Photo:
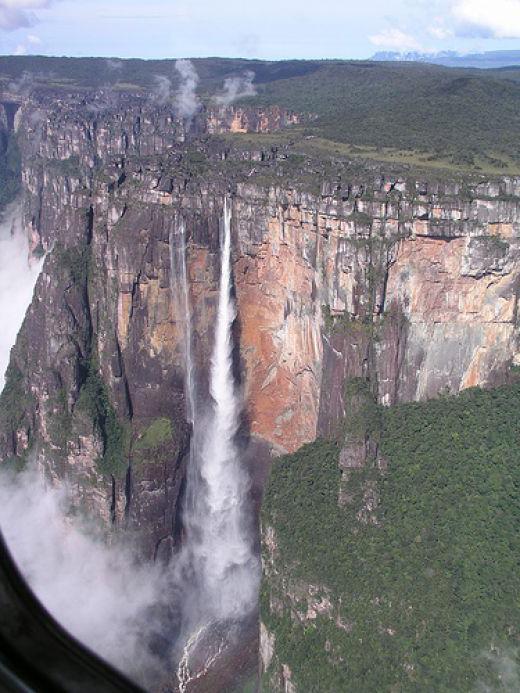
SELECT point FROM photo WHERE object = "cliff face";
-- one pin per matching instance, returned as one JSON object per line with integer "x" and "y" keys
{"x": 409, "y": 284}
{"x": 415, "y": 288}
{"x": 95, "y": 387}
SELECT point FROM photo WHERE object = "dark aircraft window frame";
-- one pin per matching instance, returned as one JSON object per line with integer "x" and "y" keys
{"x": 36, "y": 653}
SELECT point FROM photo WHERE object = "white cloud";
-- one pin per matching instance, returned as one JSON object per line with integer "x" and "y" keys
{"x": 186, "y": 100}
{"x": 15, "y": 14}
{"x": 162, "y": 89}
{"x": 26, "y": 4}
{"x": 30, "y": 43}
{"x": 17, "y": 280}
{"x": 98, "y": 592}
{"x": 396, "y": 40}
{"x": 236, "y": 88}
{"x": 439, "y": 31}
{"x": 497, "y": 19}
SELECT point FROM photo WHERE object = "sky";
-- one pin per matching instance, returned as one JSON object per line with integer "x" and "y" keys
{"x": 266, "y": 29}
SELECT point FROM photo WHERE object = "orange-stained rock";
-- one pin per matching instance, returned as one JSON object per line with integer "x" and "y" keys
{"x": 239, "y": 119}
{"x": 456, "y": 298}
{"x": 280, "y": 338}
{"x": 427, "y": 280}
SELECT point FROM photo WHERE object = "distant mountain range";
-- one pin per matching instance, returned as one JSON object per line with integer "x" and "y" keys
{"x": 485, "y": 60}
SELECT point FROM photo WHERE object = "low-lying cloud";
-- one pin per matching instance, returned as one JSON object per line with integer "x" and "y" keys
{"x": 23, "y": 85}
{"x": 99, "y": 593}
{"x": 236, "y": 88}
{"x": 184, "y": 100}
{"x": 113, "y": 64}
{"x": 162, "y": 89}
{"x": 504, "y": 664}
{"x": 187, "y": 102}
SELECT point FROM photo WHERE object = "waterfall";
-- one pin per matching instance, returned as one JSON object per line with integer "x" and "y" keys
{"x": 221, "y": 570}
{"x": 224, "y": 553}
{"x": 178, "y": 262}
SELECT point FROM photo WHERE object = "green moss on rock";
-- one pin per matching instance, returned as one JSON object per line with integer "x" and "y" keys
{"x": 75, "y": 261}
{"x": 158, "y": 432}
{"x": 14, "y": 398}
{"x": 154, "y": 441}
{"x": 10, "y": 170}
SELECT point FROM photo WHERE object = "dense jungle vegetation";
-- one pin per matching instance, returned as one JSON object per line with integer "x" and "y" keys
{"x": 425, "y": 587}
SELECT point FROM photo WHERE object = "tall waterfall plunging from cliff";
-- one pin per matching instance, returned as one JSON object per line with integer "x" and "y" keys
{"x": 216, "y": 521}
{"x": 219, "y": 567}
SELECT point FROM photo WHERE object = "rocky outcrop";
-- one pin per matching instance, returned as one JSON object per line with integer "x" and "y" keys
{"x": 244, "y": 120}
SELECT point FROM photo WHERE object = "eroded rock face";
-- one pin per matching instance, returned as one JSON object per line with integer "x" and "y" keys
{"x": 280, "y": 318}
{"x": 238, "y": 119}
{"x": 460, "y": 300}
{"x": 420, "y": 314}
{"x": 409, "y": 284}
{"x": 100, "y": 359}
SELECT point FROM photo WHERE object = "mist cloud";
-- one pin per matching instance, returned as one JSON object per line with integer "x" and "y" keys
{"x": 217, "y": 567}
{"x": 162, "y": 90}
{"x": 17, "y": 280}
{"x": 236, "y": 88}
{"x": 113, "y": 64}
{"x": 505, "y": 665}
{"x": 23, "y": 85}
{"x": 185, "y": 99}
{"x": 99, "y": 593}
{"x": 187, "y": 102}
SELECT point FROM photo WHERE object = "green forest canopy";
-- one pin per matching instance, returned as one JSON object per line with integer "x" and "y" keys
{"x": 433, "y": 587}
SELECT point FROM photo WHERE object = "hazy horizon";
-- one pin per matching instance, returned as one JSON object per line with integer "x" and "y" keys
{"x": 162, "y": 29}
